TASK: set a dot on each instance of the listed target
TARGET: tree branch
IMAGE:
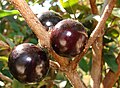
(104, 5)
(54, 65)
(74, 78)
(43, 37)
(5, 78)
(93, 6)
(112, 77)
(63, 61)
(70, 73)
(97, 30)
(96, 69)
(32, 21)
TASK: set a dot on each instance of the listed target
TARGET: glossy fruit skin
(49, 19)
(68, 38)
(28, 63)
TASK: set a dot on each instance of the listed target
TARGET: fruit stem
(61, 60)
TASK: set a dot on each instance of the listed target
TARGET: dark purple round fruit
(49, 19)
(28, 63)
(68, 38)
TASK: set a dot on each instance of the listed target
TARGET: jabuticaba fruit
(68, 38)
(49, 19)
(28, 63)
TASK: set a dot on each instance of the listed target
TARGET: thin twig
(97, 30)
(5, 78)
(54, 65)
(104, 5)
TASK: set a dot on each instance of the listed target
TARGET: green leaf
(60, 76)
(68, 3)
(2, 26)
(113, 33)
(14, 25)
(107, 39)
(84, 65)
(116, 12)
(4, 13)
(18, 39)
(3, 58)
(17, 84)
(118, 3)
(6, 72)
(111, 61)
(3, 38)
(1, 65)
(33, 40)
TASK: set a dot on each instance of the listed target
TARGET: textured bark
(44, 40)
(61, 60)
(96, 52)
(74, 78)
(68, 68)
(93, 6)
(96, 62)
(98, 29)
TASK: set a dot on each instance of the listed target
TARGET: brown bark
(43, 37)
(96, 67)
(74, 78)
(96, 63)
(96, 32)
(71, 73)
(94, 7)
(112, 77)
(97, 52)
(61, 60)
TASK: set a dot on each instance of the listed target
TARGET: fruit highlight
(49, 19)
(68, 38)
(28, 63)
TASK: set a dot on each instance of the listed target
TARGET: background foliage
(14, 30)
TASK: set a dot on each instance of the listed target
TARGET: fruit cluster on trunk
(29, 63)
